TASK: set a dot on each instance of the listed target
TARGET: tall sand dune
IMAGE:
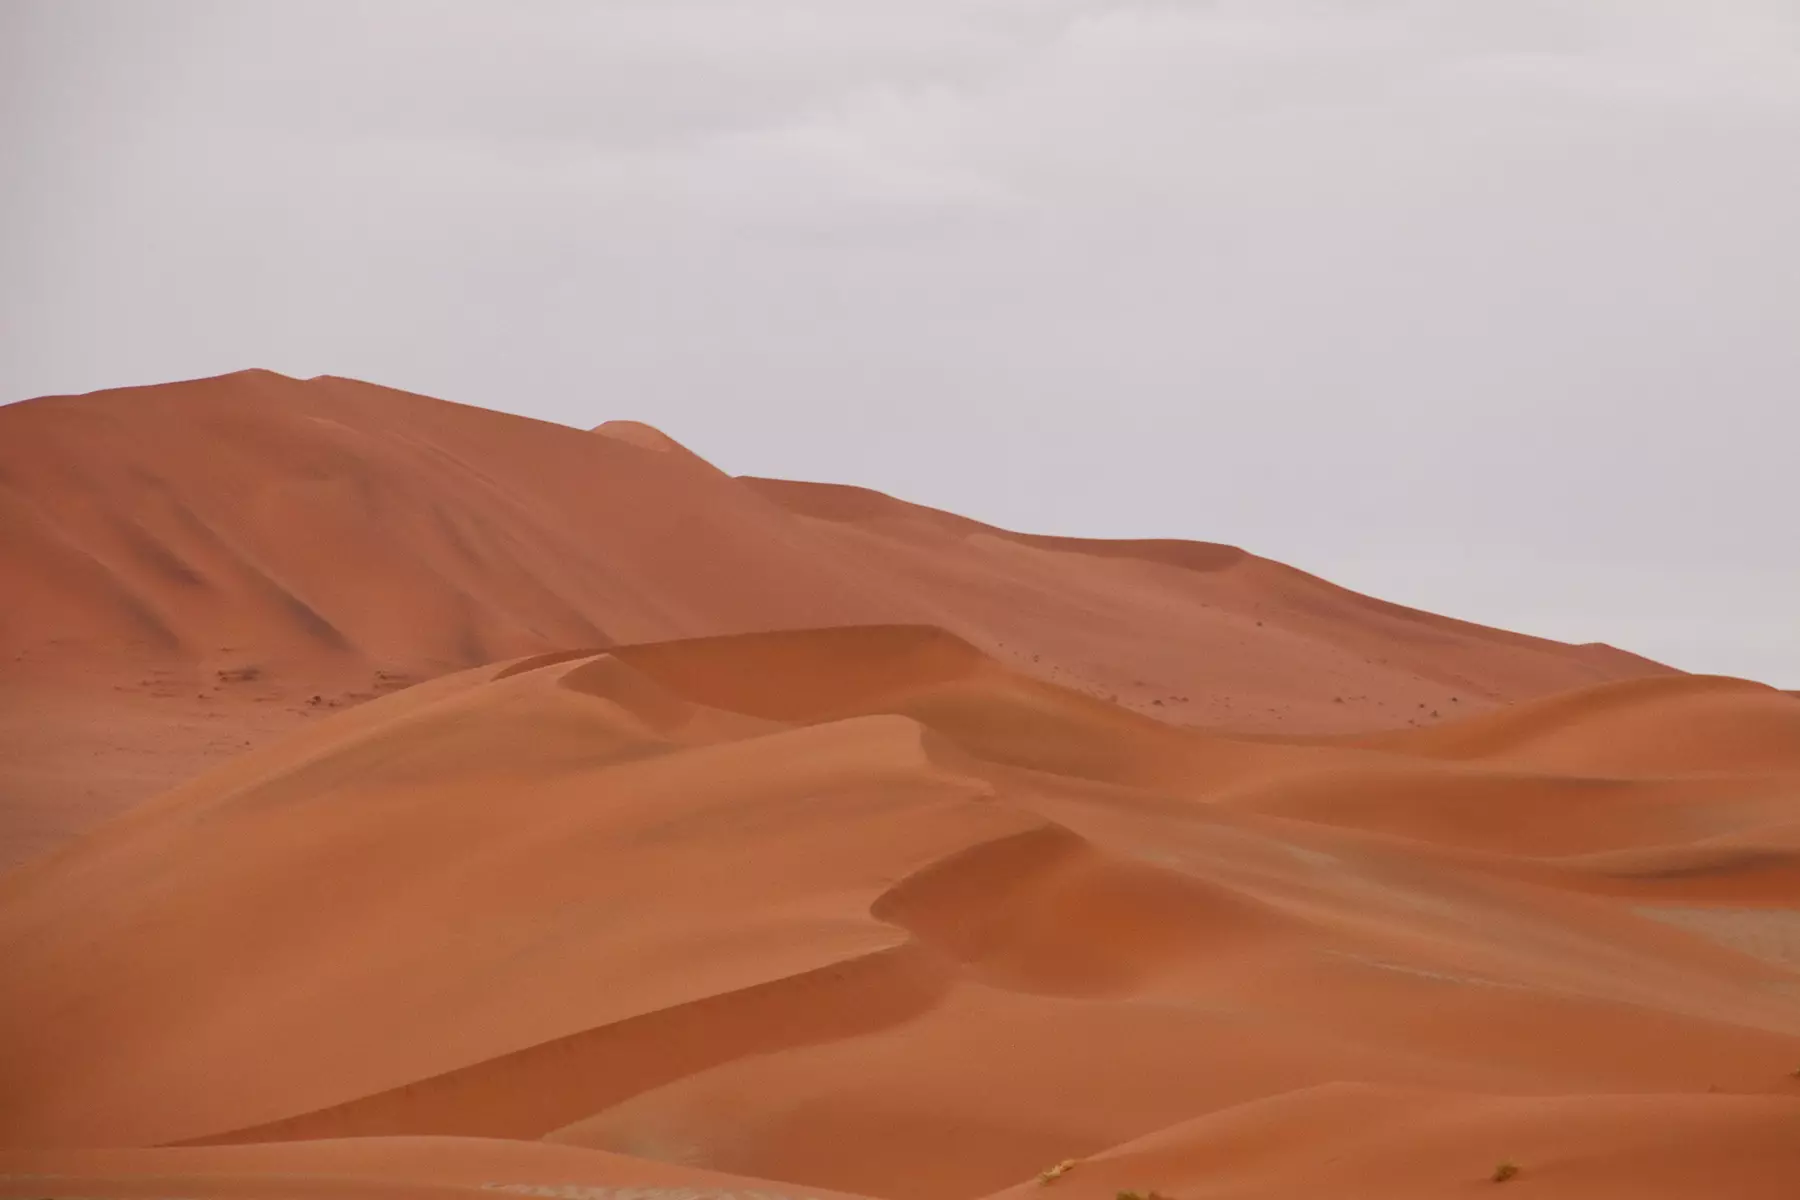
(193, 568)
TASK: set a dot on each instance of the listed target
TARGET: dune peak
(641, 435)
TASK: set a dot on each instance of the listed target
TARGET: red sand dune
(865, 910)
(800, 842)
(193, 568)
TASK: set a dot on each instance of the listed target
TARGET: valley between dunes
(408, 800)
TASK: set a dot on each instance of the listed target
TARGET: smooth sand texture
(430, 1168)
(193, 568)
(867, 910)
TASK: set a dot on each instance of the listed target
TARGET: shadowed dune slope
(194, 567)
(866, 910)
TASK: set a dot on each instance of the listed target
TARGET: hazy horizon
(1492, 310)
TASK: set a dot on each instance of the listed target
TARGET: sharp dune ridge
(560, 816)
(837, 926)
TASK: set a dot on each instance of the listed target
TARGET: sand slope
(437, 1168)
(194, 567)
(867, 910)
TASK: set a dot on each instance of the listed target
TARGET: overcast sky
(1489, 306)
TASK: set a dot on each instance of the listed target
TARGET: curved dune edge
(869, 912)
(534, 1091)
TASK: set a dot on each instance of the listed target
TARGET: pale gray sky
(1489, 306)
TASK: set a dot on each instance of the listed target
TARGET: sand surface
(211, 563)
(833, 901)
(865, 910)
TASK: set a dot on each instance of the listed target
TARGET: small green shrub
(1505, 1171)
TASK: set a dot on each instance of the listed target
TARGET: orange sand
(865, 910)
(195, 567)
(870, 908)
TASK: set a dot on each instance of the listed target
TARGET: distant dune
(194, 568)
(867, 910)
